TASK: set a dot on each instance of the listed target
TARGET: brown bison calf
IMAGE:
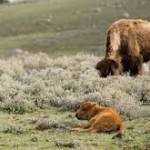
(101, 119)
(127, 48)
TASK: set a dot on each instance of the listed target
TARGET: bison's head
(83, 112)
(88, 110)
(108, 67)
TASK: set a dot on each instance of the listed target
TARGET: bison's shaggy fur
(128, 44)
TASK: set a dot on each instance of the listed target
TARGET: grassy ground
(63, 26)
(23, 132)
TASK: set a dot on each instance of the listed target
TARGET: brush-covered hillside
(60, 27)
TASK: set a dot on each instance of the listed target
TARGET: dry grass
(29, 81)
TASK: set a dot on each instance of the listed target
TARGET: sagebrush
(30, 81)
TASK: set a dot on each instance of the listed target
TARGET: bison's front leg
(136, 65)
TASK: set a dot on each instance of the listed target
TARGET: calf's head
(87, 110)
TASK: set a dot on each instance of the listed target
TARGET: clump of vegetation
(17, 106)
(44, 124)
(13, 129)
(29, 81)
(67, 144)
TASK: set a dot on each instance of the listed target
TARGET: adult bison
(127, 48)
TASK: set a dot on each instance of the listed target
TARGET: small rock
(34, 139)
